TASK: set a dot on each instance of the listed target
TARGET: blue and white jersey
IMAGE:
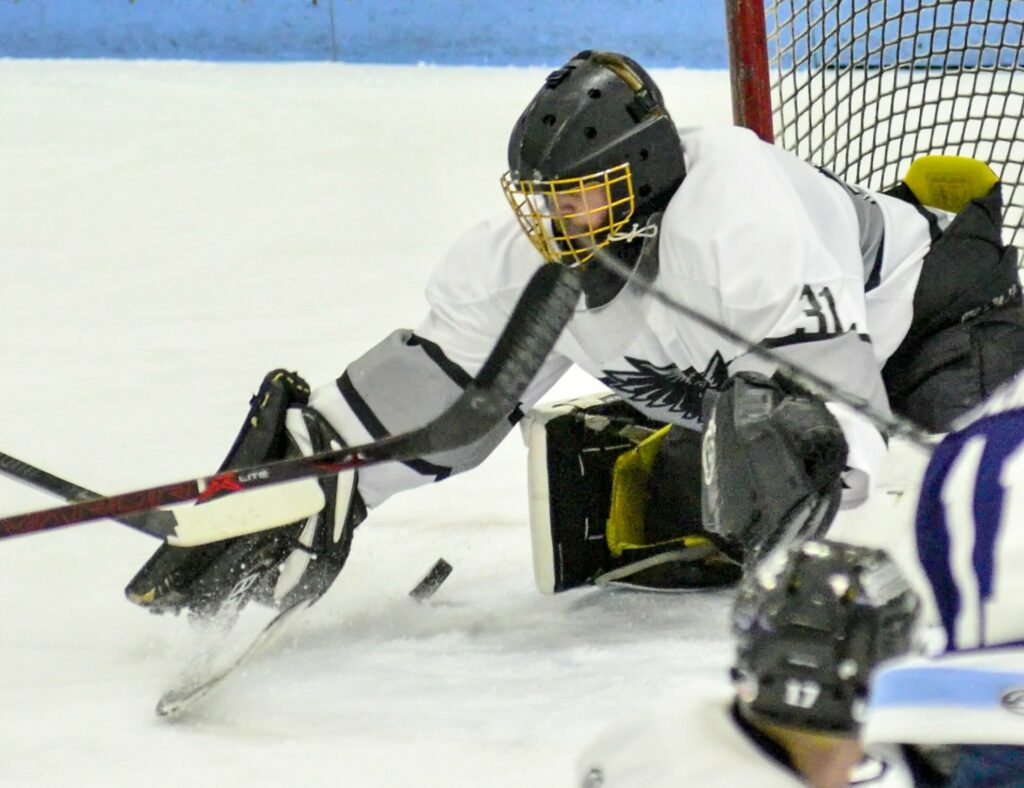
(970, 517)
(969, 537)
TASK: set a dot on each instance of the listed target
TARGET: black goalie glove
(276, 567)
(772, 463)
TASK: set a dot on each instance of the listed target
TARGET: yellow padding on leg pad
(629, 493)
(949, 182)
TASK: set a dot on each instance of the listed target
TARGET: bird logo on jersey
(669, 387)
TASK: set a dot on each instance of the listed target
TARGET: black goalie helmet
(811, 625)
(594, 152)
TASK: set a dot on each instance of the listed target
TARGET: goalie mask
(812, 623)
(594, 153)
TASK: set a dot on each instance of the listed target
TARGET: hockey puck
(431, 581)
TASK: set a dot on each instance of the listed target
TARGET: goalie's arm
(412, 375)
(403, 381)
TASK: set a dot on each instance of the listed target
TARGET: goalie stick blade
(541, 313)
(237, 515)
(198, 682)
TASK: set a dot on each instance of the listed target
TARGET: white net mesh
(864, 87)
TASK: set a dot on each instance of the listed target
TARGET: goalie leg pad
(598, 509)
(674, 489)
(573, 446)
(654, 533)
(772, 464)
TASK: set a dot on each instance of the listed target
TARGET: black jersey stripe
(458, 375)
(800, 337)
(933, 221)
(377, 430)
(875, 277)
(857, 195)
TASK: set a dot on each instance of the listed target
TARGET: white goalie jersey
(761, 242)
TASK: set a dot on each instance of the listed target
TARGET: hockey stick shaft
(541, 313)
(55, 485)
(817, 385)
(43, 480)
(221, 519)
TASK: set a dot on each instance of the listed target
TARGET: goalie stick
(542, 311)
(210, 671)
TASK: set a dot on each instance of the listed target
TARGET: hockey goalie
(907, 300)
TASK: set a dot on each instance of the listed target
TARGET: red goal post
(864, 87)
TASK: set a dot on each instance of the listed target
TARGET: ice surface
(171, 231)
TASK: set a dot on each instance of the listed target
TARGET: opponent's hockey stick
(64, 489)
(541, 313)
(220, 519)
(886, 423)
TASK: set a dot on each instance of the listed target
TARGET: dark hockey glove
(772, 465)
(275, 567)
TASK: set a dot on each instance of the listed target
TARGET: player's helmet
(595, 149)
(811, 626)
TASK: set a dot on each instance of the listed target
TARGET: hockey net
(864, 87)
